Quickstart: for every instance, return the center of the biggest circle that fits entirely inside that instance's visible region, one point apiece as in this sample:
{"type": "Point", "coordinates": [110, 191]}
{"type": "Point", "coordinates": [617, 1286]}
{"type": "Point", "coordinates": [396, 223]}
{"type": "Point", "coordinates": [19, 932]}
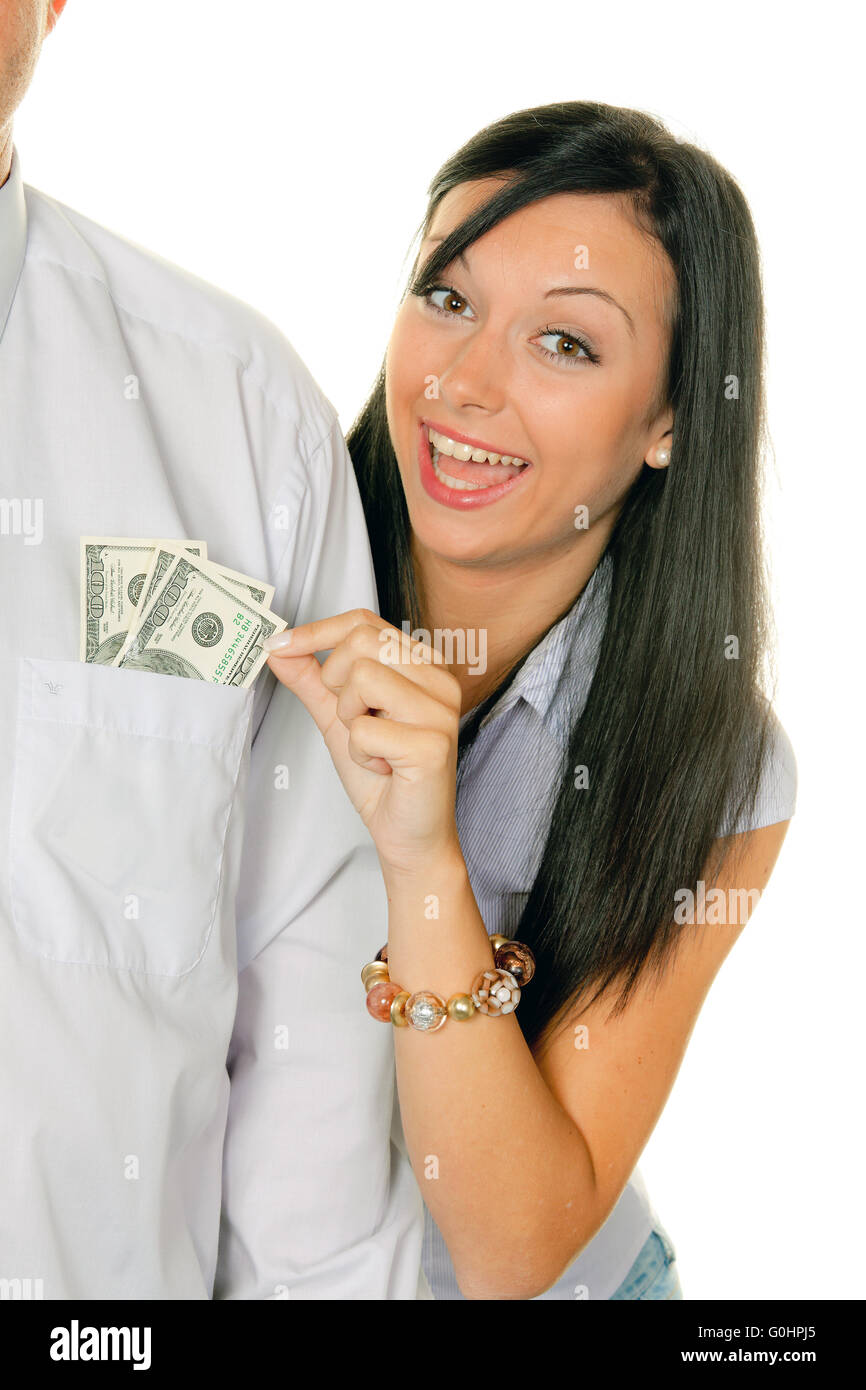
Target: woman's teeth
{"type": "Point", "coordinates": [440, 445]}
{"type": "Point", "coordinates": [452, 482]}
{"type": "Point", "coordinates": [465, 452]}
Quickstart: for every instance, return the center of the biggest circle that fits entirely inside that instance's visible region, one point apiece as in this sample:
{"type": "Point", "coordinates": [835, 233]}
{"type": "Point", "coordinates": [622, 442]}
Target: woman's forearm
{"type": "Point", "coordinates": [505, 1171]}
{"type": "Point", "coordinates": [504, 1167]}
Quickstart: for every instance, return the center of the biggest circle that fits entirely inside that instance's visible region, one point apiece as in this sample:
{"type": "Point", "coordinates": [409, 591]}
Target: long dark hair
{"type": "Point", "coordinates": [675, 727]}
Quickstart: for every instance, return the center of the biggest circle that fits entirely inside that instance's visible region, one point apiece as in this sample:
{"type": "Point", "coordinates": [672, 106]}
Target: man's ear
{"type": "Point", "coordinates": [55, 10]}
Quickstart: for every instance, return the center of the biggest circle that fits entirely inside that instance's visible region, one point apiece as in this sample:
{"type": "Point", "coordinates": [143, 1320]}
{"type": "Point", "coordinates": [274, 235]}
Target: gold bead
{"type": "Point", "coordinates": [398, 1004]}
{"type": "Point", "coordinates": [497, 941]}
{"type": "Point", "coordinates": [460, 1007]}
{"type": "Point", "coordinates": [375, 972]}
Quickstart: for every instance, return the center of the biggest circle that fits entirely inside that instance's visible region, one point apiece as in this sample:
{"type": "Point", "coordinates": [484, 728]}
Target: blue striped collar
{"type": "Point", "coordinates": [565, 657]}
{"type": "Point", "coordinates": [13, 238]}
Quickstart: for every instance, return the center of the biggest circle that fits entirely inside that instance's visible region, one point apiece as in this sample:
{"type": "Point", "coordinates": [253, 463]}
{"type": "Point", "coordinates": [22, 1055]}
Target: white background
{"type": "Point", "coordinates": [283, 151]}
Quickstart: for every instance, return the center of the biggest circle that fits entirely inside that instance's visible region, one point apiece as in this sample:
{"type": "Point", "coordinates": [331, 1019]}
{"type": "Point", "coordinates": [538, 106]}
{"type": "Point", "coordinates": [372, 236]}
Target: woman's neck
{"type": "Point", "coordinates": [496, 614]}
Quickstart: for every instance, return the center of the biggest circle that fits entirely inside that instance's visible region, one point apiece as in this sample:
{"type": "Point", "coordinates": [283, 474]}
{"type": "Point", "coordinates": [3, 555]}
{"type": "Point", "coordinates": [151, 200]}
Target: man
{"type": "Point", "coordinates": [194, 1102]}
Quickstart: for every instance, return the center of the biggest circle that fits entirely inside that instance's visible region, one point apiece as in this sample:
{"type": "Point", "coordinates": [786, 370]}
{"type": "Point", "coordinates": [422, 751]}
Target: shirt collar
{"type": "Point", "coordinates": [567, 653]}
{"type": "Point", "coordinates": [13, 237]}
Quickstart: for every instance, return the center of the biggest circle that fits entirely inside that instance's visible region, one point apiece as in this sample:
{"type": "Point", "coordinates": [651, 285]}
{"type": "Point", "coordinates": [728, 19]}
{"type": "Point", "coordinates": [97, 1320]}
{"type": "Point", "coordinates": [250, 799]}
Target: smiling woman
{"type": "Point", "coordinates": [483, 340]}
{"type": "Point", "coordinates": [582, 339]}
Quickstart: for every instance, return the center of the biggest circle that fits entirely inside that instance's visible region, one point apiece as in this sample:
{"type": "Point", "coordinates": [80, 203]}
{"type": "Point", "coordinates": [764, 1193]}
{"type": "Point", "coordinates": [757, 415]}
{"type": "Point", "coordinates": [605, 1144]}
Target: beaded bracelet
{"type": "Point", "coordinates": [494, 993]}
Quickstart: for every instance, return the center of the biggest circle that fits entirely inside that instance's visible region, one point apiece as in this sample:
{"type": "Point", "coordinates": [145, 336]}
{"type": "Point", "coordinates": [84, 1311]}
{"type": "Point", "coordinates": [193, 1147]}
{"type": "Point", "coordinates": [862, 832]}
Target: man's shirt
{"type": "Point", "coordinates": [194, 1100]}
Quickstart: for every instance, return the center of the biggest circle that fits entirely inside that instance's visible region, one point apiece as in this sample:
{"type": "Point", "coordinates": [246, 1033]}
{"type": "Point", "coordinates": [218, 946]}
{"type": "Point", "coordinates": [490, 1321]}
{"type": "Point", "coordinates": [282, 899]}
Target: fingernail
{"type": "Point", "coordinates": [277, 643]}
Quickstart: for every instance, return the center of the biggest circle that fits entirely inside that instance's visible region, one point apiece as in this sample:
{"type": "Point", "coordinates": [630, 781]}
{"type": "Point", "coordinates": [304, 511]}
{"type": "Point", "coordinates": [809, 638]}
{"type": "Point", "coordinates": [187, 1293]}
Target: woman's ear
{"type": "Point", "coordinates": [658, 454]}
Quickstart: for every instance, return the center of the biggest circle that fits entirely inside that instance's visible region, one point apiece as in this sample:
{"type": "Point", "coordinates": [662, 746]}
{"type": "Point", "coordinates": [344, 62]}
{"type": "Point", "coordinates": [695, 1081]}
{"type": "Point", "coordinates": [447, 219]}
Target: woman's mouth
{"type": "Point", "coordinates": [465, 474]}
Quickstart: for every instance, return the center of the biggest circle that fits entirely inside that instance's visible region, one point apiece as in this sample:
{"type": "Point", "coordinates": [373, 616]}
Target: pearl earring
{"type": "Point", "coordinates": [663, 458]}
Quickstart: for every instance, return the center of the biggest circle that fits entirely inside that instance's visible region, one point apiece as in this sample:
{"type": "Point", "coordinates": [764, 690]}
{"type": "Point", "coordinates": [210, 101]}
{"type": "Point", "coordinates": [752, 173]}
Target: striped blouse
{"type": "Point", "coordinates": [502, 821]}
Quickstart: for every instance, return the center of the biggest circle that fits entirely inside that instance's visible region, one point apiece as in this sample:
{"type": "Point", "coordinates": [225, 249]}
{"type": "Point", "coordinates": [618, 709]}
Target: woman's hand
{"type": "Point", "coordinates": [389, 712]}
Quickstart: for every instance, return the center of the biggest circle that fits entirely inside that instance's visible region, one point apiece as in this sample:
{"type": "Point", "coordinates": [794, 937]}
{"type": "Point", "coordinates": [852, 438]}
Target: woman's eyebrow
{"type": "Point", "coordinates": [459, 257]}
{"type": "Point", "coordinates": [563, 289]}
{"type": "Point", "coordinates": [603, 294]}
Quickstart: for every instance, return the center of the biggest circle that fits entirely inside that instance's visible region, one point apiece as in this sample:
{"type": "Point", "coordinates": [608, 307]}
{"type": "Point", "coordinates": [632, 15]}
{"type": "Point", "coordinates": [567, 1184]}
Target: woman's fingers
{"type": "Point", "coordinates": [303, 676]}
{"type": "Point", "coordinates": [413, 754]}
{"type": "Point", "coordinates": [389, 711]}
{"type": "Point", "coordinates": [326, 633]}
{"type": "Point", "coordinates": [421, 665]}
{"type": "Point", "coordinates": [361, 632]}
{"type": "Point", "coordinates": [370, 685]}
{"type": "Point", "coordinates": [374, 676]}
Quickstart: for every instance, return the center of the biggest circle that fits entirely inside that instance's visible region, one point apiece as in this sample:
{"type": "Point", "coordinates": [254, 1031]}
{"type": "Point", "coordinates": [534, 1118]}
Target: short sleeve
{"type": "Point", "coordinates": [777, 791]}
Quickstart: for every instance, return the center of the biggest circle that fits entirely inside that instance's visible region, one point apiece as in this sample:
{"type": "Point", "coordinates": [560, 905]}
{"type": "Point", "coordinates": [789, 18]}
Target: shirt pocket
{"type": "Point", "coordinates": [123, 786]}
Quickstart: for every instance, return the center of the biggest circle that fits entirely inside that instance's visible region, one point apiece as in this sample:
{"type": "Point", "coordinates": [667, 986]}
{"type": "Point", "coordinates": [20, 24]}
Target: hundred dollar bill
{"type": "Point", "coordinates": [165, 551]}
{"type": "Point", "coordinates": [200, 626]}
{"type": "Point", "coordinates": [163, 556]}
{"type": "Point", "coordinates": [260, 592]}
{"type": "Point", "coordinates": [114, 571]}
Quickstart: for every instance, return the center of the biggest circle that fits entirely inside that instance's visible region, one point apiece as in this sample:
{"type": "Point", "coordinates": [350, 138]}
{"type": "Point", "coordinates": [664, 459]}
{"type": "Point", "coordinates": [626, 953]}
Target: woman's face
{"type": "Point", "coordinates": [499, 358]}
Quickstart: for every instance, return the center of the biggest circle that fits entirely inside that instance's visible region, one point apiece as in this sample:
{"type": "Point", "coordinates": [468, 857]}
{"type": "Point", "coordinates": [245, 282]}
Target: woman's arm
{"type": "Point", "coordinates": [532, 1155]}
{"type": "Point", "coordinates": [519, 1159]}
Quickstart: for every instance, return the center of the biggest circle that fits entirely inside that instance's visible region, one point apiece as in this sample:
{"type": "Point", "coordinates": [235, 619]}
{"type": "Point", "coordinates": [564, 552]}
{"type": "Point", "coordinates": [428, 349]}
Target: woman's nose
{"type": "Point", "coordinates": [476, 375]}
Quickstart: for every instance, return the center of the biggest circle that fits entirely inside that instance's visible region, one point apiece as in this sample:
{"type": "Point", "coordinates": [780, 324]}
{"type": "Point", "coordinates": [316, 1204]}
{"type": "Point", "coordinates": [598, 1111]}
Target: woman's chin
{"type": "Point", "coordinates": [441, 542]}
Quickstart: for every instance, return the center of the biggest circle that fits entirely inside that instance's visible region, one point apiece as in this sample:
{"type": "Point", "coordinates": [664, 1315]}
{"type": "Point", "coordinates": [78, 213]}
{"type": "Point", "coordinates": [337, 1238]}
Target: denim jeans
{"type": "Point", "coordinates": [654, 1273]}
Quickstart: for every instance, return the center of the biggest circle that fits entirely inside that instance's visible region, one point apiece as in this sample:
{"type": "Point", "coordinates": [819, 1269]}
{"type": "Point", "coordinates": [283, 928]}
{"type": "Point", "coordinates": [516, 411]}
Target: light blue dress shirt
{"type": "Point", "coordinates": [502, 819]}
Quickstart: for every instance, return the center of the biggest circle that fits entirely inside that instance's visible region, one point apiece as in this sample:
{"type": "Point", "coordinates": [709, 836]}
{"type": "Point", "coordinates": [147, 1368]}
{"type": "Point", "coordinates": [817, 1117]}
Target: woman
{"type": "Point", "coordinates": [559, 461]}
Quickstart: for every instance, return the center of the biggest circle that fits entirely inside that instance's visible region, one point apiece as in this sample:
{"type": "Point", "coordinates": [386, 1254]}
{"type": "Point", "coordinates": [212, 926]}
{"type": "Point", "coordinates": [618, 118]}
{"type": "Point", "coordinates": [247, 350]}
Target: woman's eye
{"type": "Point", "coordinates": [447, 301]}
{"type": "Point", "coordinates": [566, 347]}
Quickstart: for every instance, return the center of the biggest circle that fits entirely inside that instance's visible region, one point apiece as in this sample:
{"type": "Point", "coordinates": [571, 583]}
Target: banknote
{"type": "Point", "coordinates": [260, 592]}
{"type": "Point", "coordinates": [114, 571]}
{"type": "Point", "coordinates": [199, 624]}
{"type": "Point", "coordinates": [164, 555]}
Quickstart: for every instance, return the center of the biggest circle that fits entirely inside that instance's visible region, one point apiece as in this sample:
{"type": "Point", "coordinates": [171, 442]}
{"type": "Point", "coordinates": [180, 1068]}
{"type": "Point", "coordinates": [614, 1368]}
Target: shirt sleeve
{"type": "Point", "coordinates": [318, 1202]}
{"type": "Point", "coordinates": [777, 790]}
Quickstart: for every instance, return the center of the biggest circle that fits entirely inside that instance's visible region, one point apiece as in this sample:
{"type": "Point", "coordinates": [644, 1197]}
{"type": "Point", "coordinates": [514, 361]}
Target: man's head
{"type": "Point", "coordinates": [23, 26]}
